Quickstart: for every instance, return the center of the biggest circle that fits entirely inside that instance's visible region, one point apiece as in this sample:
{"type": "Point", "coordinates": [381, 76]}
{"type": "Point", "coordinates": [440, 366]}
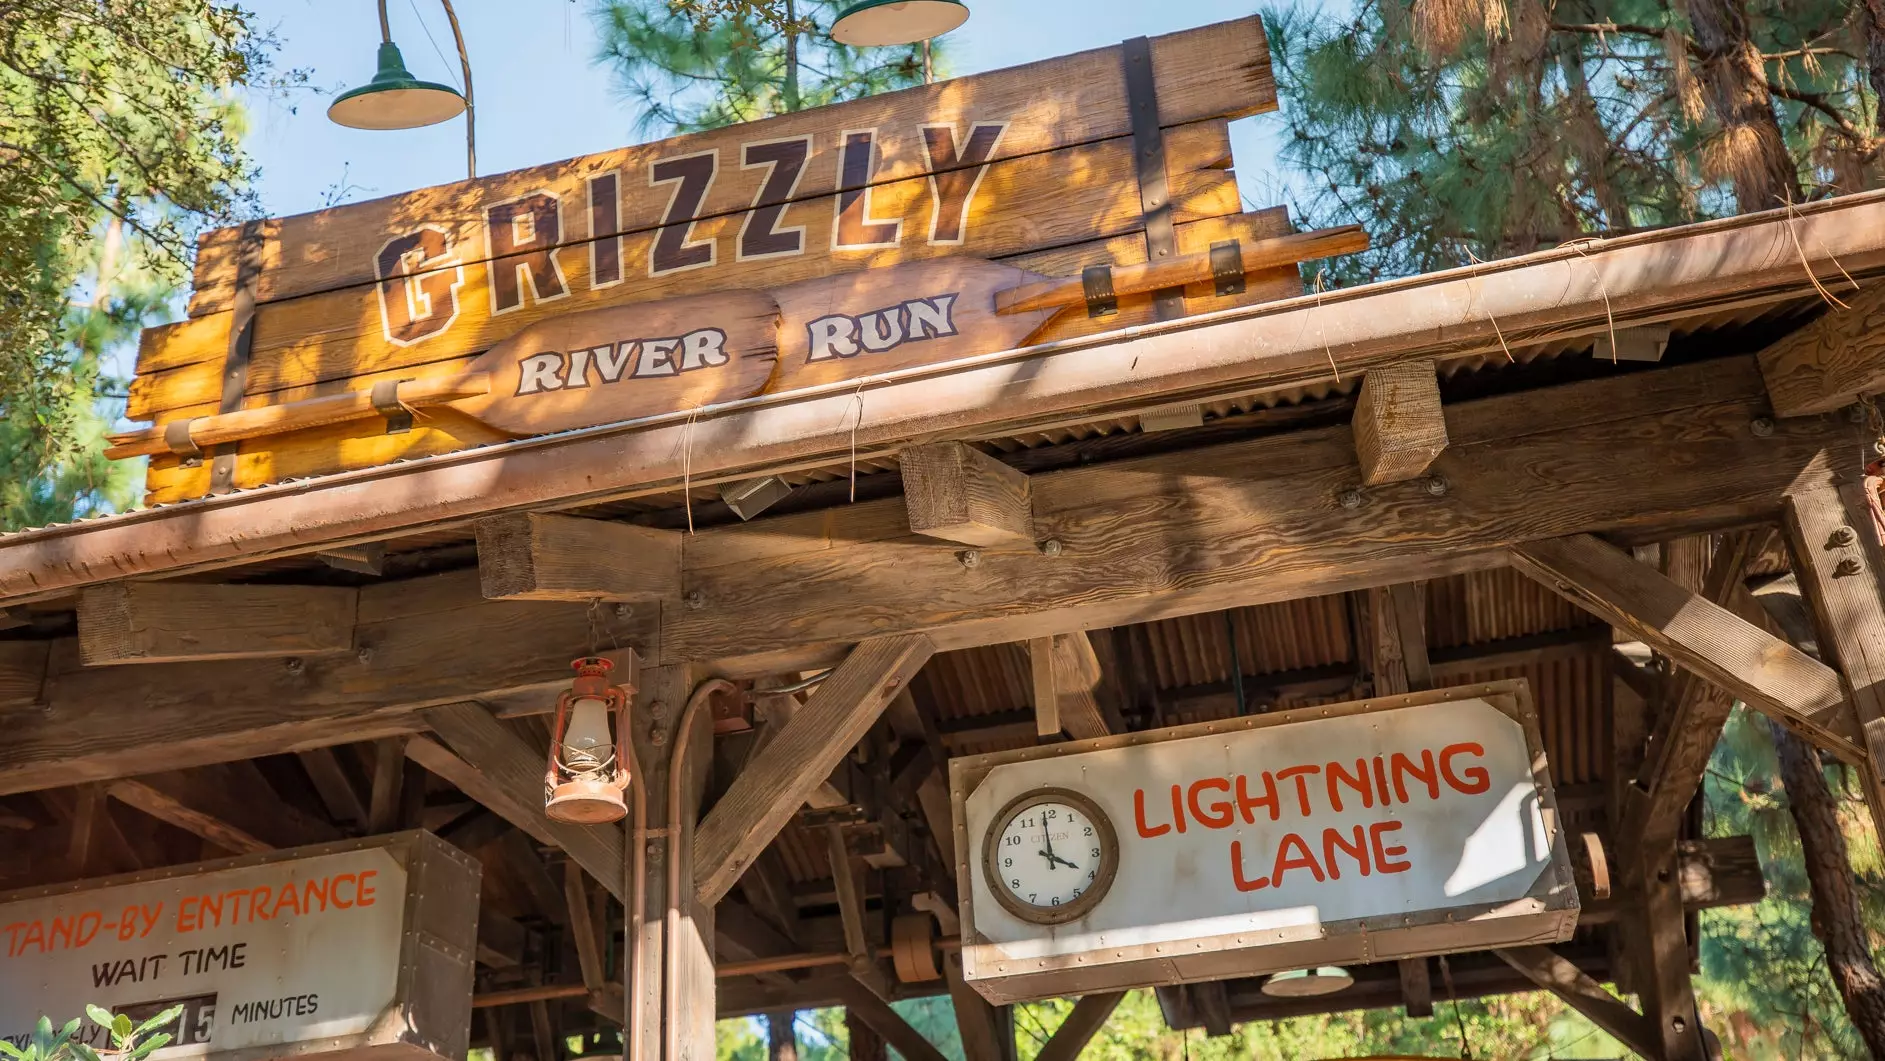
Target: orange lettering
{"type": "Point", "coordinates": [1301, 776]}
{"type": "Point", "coordinates": [1285, 862]}
{"type": "Point", "coordinates": [316, 894]}
{"type": "Point", "coordinates": [1477, 779]}
{"type": "Point", "coordinates": [1381, 780]}
{"type": "Point", "coordinates": [366, 890]}
{"type": "Point", "coordinates": [1402, 766]}
{"type": "Point", "coordinates": [1146, 832]}
{"type": "Point", "coordinates": [1237, 870]}
{"type": "Point", "coordinates": [1384, 855]}
{"type": "Point", "coordinates": [1245, 801]}
{"type": "Point", "coordinates": [1333, 840]}
{"type": "Point", "coordinates": [1357, 781]}
{"type": "Point", "coordinates": [334, 890]}
{"type": "Point", "coordinates": [258, 903]}
{"type": "Point", "coordinates": [1218, 815]}
{"type": "Point", "coordinates": [1178, 807]}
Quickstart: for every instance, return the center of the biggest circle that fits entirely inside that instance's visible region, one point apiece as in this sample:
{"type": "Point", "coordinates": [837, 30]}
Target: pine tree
{"type": "Point", "coordinates": [686, 68]}
{"type": "Point", "coordinates": [1462, 129]}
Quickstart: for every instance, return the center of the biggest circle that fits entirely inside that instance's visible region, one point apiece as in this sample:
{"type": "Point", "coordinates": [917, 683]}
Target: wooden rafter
{"type": "Point", "coordinates": [230, 805]}
{"type": "Point", "coordinates": [1830, 362]}
{"type": "Point", "coordinates": [1071, 1038]}
{"type": "Point", "coordinates": [772, 787]}
{"type": "Point", "coordinates": [173, 622]}
{"type": "Point", "coordinates": [1750, 663]}
{"type": "Point", "coordinates": [1546, 968]}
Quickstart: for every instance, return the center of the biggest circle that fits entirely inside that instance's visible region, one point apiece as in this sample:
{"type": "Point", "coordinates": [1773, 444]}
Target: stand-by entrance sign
{"type": "Point", "coordinates": [362, 948]}
{"type": "Point", "coordinates": [1387, 828]}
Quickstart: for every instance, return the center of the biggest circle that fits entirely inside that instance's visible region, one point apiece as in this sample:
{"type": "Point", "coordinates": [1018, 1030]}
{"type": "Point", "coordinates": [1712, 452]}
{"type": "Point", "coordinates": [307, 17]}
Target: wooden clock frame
{"type": "Point", "coordinates": [1102, 879]}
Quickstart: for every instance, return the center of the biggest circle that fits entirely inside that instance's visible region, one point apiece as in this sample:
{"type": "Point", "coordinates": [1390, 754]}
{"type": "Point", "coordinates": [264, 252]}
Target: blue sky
{"type": "Point", "coordinates": [526, 51]}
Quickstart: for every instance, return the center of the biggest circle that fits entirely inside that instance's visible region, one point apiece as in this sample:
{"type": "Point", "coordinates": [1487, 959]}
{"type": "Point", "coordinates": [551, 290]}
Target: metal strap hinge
{"type": "Point", "coordinates": [385, 399]}
{"type": "Point", "coordinates": [1097, 282]}
{"type": "Point", "coordinates": [1227, 267]}
{"type": "Point", "coordinates": [177, 439]}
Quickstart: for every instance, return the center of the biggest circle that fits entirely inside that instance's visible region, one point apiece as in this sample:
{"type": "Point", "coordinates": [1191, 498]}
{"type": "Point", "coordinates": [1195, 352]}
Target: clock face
{"type": "Point", "coordinates": [1050, 856]}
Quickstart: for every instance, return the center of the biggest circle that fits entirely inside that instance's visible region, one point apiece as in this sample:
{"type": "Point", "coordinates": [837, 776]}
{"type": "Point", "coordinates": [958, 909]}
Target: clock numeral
{"type": "Point", "coordinates": [1030, 897]}
{"type": "Point", "coordinates": [1014, 883]}
{"type": "Point", "coordinates": [1006, 862]}
{"type": "Point", "coordinates": [1089, 830]}
{"type": "Point", "coordinates": [1090, 873]}
{"type": "Point", "coordinates": [1056, 900]}
{"type": "Point", "coordinates": [1012, 841]}
{"type": "Point", "coordinates": [1096, 852]}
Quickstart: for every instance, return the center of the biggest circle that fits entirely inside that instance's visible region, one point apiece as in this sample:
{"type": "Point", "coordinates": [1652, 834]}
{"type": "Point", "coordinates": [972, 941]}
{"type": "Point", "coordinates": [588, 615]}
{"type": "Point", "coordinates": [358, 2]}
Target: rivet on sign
{"type": "Point", "coordinates": [970, 558]}
{"type": "Point", "coordinates": [696, 600]}
{"type": "Point", "coordinates": [1840, 538]}
{"type": "Point", "coordinates": [1761, 427]}
{"type": "Point", "coordinates": [1349, 498]}
{"type": "Point", "coordinates": [1050, 547]}
{"type": "Point", "coordinates": [1437, 485]}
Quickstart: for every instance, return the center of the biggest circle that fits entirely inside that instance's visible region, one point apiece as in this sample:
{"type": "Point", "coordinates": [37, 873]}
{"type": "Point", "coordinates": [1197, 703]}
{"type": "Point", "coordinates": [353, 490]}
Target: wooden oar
{"type": "Point", "coordinates": [1256, 256]}
{"type": "Point", "coordinates": [609, 365]}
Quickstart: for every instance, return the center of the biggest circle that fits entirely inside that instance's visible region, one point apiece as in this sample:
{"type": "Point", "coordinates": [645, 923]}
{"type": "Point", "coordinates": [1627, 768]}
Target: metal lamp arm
{"type": "Point", "coordinates": [464, 63]}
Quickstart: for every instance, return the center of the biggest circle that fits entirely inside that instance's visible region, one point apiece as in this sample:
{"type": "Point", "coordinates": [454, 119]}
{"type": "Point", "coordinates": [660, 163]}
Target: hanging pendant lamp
{"type": "Point", "coordinates": [877, 23]}
{"type": "Point", "coordinates": [395, 99]}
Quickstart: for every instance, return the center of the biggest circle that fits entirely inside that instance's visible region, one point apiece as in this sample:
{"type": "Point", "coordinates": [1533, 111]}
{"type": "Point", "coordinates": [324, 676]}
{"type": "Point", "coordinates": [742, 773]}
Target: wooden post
{"type": "Point", "coordinates": [1398, 622]}
{"type": "Point", "coordinates": [1046, 694]}
{"type": "Point", "coordinates": [781, 1037]}
{"type": "Point", "coordinates": [987, 1031]}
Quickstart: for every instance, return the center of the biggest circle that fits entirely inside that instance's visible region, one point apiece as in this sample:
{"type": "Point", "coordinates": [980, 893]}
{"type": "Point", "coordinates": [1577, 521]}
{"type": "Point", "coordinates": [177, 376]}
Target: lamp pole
{"type": "Point", "coordinates": [471, 109]}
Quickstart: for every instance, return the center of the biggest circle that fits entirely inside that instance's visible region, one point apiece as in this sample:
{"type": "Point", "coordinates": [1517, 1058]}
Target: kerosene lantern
{"type": "Point", "coordinates": [588, 771]}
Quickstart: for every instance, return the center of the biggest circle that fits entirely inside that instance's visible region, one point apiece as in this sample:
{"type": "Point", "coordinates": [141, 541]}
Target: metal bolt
{"type": "Point", "coordinates": [1349, 498]}
{"type": "Point", "coordinates": [657, 736]}
{"type": "Point", "coordinates": [1050, 547]}
{"type": "Point", "coordinates": [1855, 413]}
{"type": "Point", "coordinates": [696, 600]}
{"type": "Point", "coordinates": [658, 710]}
{"type": "Point", "coordinates": [1840, 538]}
{"type": "Point", "coordinates": [1761, 427]}
{"type": "Point", "coordinates": [622, 611]}
{"type": "Point", "coordinates": [1437, 485]}
{"type": "Point", "coordinates": [365, 655]}
{"type": "Point", "coordinates": [294, 664]}
{"type": "Point", "coordinates": [970, 558]}
{"type": "Point", "coordinates": [654, 852]}
{"type": "Point", "coordinates": [1846, 568]}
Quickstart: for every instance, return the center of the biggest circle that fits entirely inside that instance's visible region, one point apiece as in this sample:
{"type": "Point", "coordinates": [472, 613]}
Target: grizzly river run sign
{"type": "Point", "coordinates": [912, 228]}
{"type": "Point", "coordinates": [1351, 833]}
{"type": "Point", "coordinates": [363, 948]}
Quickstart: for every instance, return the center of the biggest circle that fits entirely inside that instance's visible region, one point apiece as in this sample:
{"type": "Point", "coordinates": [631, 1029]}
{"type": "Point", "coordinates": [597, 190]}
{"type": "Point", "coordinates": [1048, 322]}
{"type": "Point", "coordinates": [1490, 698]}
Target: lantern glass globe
{"type": "Point", "coordinates": [879, 23]}
{"type": "Point", "coordinates": [588, 728]}
{"type": "Point", "coordinates": [395, 99]}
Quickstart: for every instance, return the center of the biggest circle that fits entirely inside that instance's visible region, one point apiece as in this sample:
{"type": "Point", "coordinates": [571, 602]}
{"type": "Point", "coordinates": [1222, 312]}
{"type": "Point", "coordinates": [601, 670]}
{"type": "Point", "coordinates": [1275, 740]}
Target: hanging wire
{"type": "Point", "coordinates": [1236, 665]}
{"type": "Point", "coordinates": [1446, 976]}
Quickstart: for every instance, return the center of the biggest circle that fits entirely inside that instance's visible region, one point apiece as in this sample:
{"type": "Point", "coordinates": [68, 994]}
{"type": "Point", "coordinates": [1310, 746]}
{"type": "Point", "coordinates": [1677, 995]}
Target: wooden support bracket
{"type": "Point", "coordinates": [1399, 425]}
{"type": "Point", "coordinates": [536, 556]}
{"type": "Point", "coordinates": [1832, 361]}
{"type": "Point", "coordinates": [1088, 1015]}
{"type": "Point", "coordinates": [1554, 973]}
{"type": "Point", "coordinates": [958, 493]}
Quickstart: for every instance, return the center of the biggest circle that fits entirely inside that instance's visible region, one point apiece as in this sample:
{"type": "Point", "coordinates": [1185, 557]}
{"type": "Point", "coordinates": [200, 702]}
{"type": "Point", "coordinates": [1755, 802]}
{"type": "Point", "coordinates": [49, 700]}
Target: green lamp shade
{"type": "Point", "coordinates": [873, 23]}
{"type": "Point", "coordinates": [394, 99]}
{"type": "Point", "coordinates": [1308, 983]}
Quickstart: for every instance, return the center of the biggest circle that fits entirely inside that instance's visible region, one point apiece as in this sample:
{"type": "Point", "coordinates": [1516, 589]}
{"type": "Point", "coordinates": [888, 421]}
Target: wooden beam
{"type": "Point", "coordinates": [387, 794]}
{"type": "Point", "coordinates": [537, 556]}
{"type": "Point", "coordinates": [1416, 987]}
{"type": "Point", "coordinates": [522, 860]}
{"type": "Point", "coordinates": [769, 791]}
{"type": "Point", "coordinates": [495, 767]}
{"type": "Point", "coordinates": [1212, 1001]}
{"type": "Point", "coordinates": [1399, 425]}
{"type": "Point", "coordinates": [857, 947]}
{"type": "Point", "coordinates": [987, 1031]}
{"type": "Point", "coordinates": [958, 493]}
{"type": "Point", "coordinates": [1833, 534]}
{"type": "Point", "coordinates": [1076, 685]}
{"type": "Point", "coordinates": [175, 622]}
{"type": "Point", "coordinates": [1677, 755]}
{"type": "Point", "coordinates": [582, 929]}
{"type": "Point", "coordinates": [1832, 361]}
{"type": "Point", "coordinates": [1718, 645]}
{"type": "Point", "coordinates": [1045, 695]}
{"type": "Point", "coordinates": [1397, 617]}
{"type": "Point", "coordinates": [1550, 971]}
{"type": "Point", "coordinates": [335, 785]}
{"type": "Point", "coordinates": [880, 1018]}
{"type": "Point", "coordinates": [220, 804]}
{"type": "Point", "coordinates": [500, 940]}
{"type": "Point", "coordinates": [1088, 1016]}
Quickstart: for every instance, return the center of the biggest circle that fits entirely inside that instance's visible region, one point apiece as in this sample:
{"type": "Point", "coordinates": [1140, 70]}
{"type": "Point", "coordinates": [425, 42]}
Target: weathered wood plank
{"type": "Point", "coordinates": [1045, 690]}
{"type": "Point", "coordinates": [173, 622]}
{"type": "Point", "coordinates": [1544, 967]}
{"type": "Point", "coordinates": [221, 805]}
{"type": "Point", "coordinates": [1399, 425]}
{"type": "Point", "coordinates": [770, 790]}
{"type": "Point", "coordinates": [960, 494]}
{"type": "Point", "coordinates": [1031, 202]}
{"type": "Point", "coordinates": [1834, 539]}
{"type": "Point", "coordinates": [880, 1018]}
{"type": "Point", "coordinates": [507, 776]}
{"type": "Point", "coordinates": [1718, 645]}
{"type": "Point", "coordinates": [538, 556]}
{"type": "Point", "coordinates": [1088, 1016]}
{"type": "Point", "coordinates": [1832, 361]}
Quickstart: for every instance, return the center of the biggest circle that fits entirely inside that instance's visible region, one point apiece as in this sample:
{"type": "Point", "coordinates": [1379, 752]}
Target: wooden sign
{"type": "Point", "coordinates": [1032, 169]}
{"type": "Point", "coordinates": [1353, 833]}
{"type": "Point", "coordinates": [362, 949]}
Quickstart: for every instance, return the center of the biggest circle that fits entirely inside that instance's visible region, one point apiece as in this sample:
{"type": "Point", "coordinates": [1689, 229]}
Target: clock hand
{"type": "Point", "coordinates": [1062, 861]}
{"type": "Point", "coordinates": [1049, 856]}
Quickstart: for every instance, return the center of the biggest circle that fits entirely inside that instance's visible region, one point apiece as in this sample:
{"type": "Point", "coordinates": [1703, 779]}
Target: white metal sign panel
{"type": "Point", "coordinates": [1354, 820]}
{"type": "Point", "coordinates": [260, 955]}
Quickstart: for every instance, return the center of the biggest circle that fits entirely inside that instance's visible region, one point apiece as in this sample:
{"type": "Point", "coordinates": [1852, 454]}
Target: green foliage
{"type": "Point", "coordinates": [130, 1041]}
{"type": "Point", "coordinates": [1462, 129]}
{"type": "Point", "coordinates": [114, 114]}
{"type": "Point", "coordinates": [702, 66]}
{"type": "Point", "coordinates": [1765, 987]}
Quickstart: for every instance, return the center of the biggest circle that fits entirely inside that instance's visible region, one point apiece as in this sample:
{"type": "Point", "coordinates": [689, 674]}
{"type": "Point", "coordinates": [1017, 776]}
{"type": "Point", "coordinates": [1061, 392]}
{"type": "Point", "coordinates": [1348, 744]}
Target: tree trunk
{"type": "Point", "coordinates": [789, 94]}
{"type": "Point", "coordinates": [1873, 18]}
{"type": "Point", "coordinates": [1753, 151]}
{"type": "Point", "coordinates": [1836, 920]}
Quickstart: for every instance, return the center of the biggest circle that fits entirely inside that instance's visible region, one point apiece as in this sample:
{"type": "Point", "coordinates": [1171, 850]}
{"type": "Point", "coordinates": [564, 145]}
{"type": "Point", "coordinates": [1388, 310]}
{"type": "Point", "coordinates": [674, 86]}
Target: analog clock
{"type": "Point", "coordinates": [1050, 855]}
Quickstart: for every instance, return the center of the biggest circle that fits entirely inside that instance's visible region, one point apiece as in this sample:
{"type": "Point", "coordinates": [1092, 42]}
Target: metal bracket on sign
{"type": "Point", "coordinates": [177, 438]}
{"type": "Point", "coordinates": [1097, 281]}
{"type": "Point", "coordinates": [1148, 156]}
{"type": "Point", "coordinates": [385, 399]}
{"type": "Point", "coordinates": [1227, 267]}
